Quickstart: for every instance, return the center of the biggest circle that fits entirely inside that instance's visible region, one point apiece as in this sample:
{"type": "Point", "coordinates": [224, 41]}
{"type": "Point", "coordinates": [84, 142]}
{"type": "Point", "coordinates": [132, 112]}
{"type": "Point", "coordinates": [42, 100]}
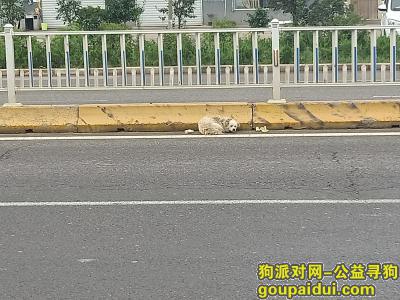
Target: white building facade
{"type": "Point", "coordinates": [45, 11]}
{"type": "Point", "coordinates": [151, 16]}
{"type": "Point", "coordinates": [49, 11]}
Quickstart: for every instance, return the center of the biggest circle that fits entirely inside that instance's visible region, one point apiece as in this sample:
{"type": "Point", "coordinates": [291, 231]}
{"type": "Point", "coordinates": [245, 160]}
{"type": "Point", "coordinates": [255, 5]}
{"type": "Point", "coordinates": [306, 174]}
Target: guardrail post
{"type": "Point", "coordinates": [374, 55]}
{"type": "Point", "coordinates": [179, 58]}
{"type": "Point", "coordinates": [255, 57]}
{"type": "Point", "coordinates": [49, 62]}
{"type": "Point", "coordinates": [297, 57]}
{"type": "Point", "coordinates": [160, 41]}
{"type": "Point", "coordinates": [316, 56]}
{"type": "Point", "coordinates": [335, 56]}
{"type": "Point", "coordinates": [67, 57]}
{"type": "Point", "coordinates": [30, 61]}
{"type": "Point", "coordinates": [86, 59]}
{"type": "Point", "coordinates": [122, 41]}
{"type": "Point", "coordinates": [217, 59]}
{"type": "Point", "coordinates": [354, 55]}
{"type": "Point", "coordinates": [276, 65]}
{"type": "Point", "coordinates": [236, 57]}
{"type": "Point", "coordinates": [142, 60]}
{"type": "Point", "coordinates": [8, 30]}
{"type": "Point", "coordinates": [104, 51]}
{"type": "Point", "coordinates": [393, 53]}
{"type": "Point", "coordinates": [198, 58]}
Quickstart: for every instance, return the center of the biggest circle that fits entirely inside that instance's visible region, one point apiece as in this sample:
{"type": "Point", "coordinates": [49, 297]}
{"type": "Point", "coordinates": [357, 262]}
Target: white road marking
{"type": "Point", "coordinates": [388, 97]}
{"type": "Point", "coordinates": [197, 202]}
{"type": "Point", "coordinates": [57, 102]}
{"type": "Point", "coordinates": [201, 87]}
{"type": "Point", "coordinates": [86, 260]}
{"type": "Point", "coordinates": [166, 137]}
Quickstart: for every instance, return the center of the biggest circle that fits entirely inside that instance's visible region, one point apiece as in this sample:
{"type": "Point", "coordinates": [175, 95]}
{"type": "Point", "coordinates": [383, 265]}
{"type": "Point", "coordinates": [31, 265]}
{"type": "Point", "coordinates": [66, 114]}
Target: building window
{"type": "Point", "coordinates": [250, 4]}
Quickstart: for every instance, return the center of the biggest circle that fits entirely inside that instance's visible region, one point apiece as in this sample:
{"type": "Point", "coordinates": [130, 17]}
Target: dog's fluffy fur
{"type": "Point", "coordinates": [217, 125]}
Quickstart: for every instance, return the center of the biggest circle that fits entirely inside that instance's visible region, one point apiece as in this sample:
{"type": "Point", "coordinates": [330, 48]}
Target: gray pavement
{"type": "Point", "coordinates": [204, 95]}
{"type": "Point", "coordinates": [191, 251]}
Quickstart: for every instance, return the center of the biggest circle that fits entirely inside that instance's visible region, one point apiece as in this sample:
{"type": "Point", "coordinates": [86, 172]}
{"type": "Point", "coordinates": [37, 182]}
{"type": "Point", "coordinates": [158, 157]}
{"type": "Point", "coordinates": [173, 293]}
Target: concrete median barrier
{"type": "Point", "coordinates": [182, 116]}
{"type": "Point", "coordinates": [157, 117]}
{"type": "Point", "coordinates": [328, 115]}
{"type": "Point", "coordinates": [38, 118]}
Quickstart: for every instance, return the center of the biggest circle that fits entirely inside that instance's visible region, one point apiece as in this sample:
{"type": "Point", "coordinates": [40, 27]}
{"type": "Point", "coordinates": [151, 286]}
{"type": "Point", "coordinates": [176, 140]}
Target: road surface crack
{"type": "Point", "coordinates": [6, 155]}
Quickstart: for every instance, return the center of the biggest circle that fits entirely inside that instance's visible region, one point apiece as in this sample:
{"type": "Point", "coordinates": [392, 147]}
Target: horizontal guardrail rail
{"type": "Point", "coordinates": [270, 57]}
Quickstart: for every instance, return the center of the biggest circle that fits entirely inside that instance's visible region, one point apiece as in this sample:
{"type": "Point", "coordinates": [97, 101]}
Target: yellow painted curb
{"type": "Point", "coordinates": [182, 116]}
{"type": "Point", "coordinates": [157, 117]}
{"type": "Point", "coordinates": [328, 115]}
{"type": "Point", "coordinates": [38, 118]}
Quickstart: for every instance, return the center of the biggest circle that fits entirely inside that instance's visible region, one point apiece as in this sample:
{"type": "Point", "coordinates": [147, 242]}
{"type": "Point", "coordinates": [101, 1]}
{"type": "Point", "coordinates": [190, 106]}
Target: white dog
{"type": "Point", "coordinates": [217, 125]}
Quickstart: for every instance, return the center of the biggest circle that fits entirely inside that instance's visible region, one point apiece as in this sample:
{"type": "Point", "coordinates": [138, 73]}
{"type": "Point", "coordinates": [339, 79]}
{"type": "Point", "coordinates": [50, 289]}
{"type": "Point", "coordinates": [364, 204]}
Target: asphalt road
{"type": "Point", "coordinates": [252, 94]}
{"type": "Point", "coordinates": [191, 251]}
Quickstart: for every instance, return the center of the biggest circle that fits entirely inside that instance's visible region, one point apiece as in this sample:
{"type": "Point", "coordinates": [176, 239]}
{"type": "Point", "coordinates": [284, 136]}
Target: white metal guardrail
{"type": "Point", "coordinates": [133, 69]}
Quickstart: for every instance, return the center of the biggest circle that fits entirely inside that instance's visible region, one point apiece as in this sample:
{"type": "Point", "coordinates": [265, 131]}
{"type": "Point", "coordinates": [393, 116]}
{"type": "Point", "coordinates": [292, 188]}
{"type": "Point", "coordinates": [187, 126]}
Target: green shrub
{"type": "Point", "coordinates": [383, 46]}
{"type": "Point", "coordinates": [246, 50]}
{"type": "Point", "coordinates": [122, 11]}
{"type": "Point", "coordinates": [68, 10]}
{"type": "Point", "coordinates": [189, 50]}
{"type": "Point", "coordinates": [207, 49]}
{"type": "Point", "coordinates": [2, 53]}
{"type": "Point", "coordinates": [226, 46]}
{"type": "Point", "coordinates": [259, 19]}
{"type": "Point", "coordinates": [306, 47]}
{"type": "Point", "coordinates": [286, 45]}
{"type": "Point", "coordinates": [223, 23]}
{"type": "Point", "coordinates": [265, 50]}
{"type": "Point", "coordinates": [90, 18]}
{"type": "Point", "coordinates": [170, 50]}
{"type": "Point", "coordinates": [325, 42]}
{"type": "Point", "coordinates": [39, 53]}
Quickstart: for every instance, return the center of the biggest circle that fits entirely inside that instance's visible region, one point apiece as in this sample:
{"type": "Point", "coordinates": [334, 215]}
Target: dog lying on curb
{"type": "Point", "coordinates": [217, 125]}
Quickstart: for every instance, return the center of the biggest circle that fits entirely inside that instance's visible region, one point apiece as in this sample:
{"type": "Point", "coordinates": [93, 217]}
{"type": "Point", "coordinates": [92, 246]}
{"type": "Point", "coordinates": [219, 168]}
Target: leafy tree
{"type": "Point", "coordinates": [68, 10]}
{"type": "Point", "coordinates": [181, 9]}
{"type": "Point", "coordinates": [123, 11]}
{"type": "Point", "coordinates": [90, 18]}
{"type": "Point", "coordinates": [259, 18]}
{"type": "Point", "coordinates": [297, 8]}
{"type": "Point", "coordinates": [318, 13]}
{"type": "Point", "coordinates": [331, 12]}
{"type": "Point", "coordinates": [12, 11]}
{"type": "Point", "coordinates": [348, 19]}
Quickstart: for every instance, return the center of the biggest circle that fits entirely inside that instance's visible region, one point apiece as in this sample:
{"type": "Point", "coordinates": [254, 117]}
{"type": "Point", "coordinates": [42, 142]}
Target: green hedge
{"type": "Point", "coordinates": [189, 53]}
